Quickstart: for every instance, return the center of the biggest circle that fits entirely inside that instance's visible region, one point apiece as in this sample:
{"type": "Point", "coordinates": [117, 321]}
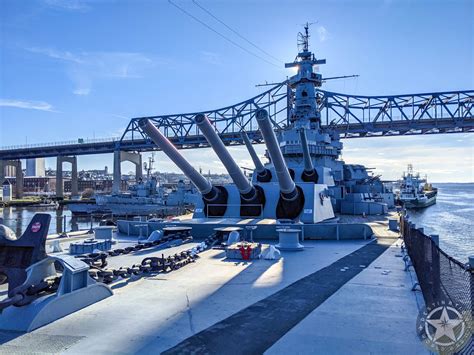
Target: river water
{"type": "Point", "coordinates": [62, 220]}
{"type": "Point", "coordinates": [452, 218]}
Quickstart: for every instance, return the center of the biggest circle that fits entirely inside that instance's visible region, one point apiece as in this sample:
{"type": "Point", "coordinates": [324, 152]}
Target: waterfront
{"type": "Point", "coordinates": [450, 217]}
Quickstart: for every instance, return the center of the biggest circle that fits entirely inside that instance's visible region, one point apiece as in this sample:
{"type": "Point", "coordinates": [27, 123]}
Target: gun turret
{"type": "Point", "coordinates": [251, 196]}
{"type": "Point", "coordinates": [263, 174]}
{"type": "Point", "coordinates": [309, 173]}
{"type": "Point", "coordinates": [214, 197]}
{"type": "Point", "coordinates": [291, 201]}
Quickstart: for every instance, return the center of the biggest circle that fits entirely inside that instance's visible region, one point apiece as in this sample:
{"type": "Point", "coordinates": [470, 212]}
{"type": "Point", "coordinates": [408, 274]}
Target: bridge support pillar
{"type": "Point", "coordinates": [121, 156]}
{"type": "Point", "coordinates": [18, 175]}
{"type": "Point", "coordinates": [19, 180]}
{"type": "Point", "coordinates": [2, 172]}
{"type": "Point", "coordinates": [117, 173]}
{"type": "Point", "coordinates": [59, 176]}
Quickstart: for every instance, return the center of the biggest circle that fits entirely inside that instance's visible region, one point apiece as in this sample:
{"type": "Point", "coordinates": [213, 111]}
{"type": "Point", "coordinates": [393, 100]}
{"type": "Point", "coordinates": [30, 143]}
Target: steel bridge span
{"type": "Point", "coordinates": [351, 116]}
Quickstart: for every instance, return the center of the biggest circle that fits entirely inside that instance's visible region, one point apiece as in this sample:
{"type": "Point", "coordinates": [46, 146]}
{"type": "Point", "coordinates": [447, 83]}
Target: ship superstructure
{"type": "Point", "coordinates": [304, 181]}
{"type": "Point", "coordinates": [312, 153]}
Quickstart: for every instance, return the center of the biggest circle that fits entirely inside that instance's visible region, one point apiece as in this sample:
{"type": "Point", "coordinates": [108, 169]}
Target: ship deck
{"type": "Point", "coordinates": [348, 296]}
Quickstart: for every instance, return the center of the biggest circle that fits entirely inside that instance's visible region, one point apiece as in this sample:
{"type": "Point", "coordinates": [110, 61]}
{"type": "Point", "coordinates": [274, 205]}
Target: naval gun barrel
{"type": "Point", "coordinates": [309, 173]}
{"type": "Point", "coordinates": [287, 185]}
{"type": "Point", "coordinates": [240, 180]}
{"type": "Point", "coordinates": [291, 201]}
{"type": "Point", "coordinates": [263, 174]}
{"type": "Point", "coordinates": [208, 191]}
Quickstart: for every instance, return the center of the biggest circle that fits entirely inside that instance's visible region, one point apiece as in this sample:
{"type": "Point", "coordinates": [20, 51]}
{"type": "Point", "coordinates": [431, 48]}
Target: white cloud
{"type": "Point", "coordinates": [82, 91]}
{"type": "Point", "coordinates": [322, 33]}
{"type": "Point", "coordinates": [52, 53]}
{"type": "Point", "coordinates": [29, 105]}
{"type": "Point", "coordinates": [70, 5]}
{"type": "Point", "coordinates": [85, 67]}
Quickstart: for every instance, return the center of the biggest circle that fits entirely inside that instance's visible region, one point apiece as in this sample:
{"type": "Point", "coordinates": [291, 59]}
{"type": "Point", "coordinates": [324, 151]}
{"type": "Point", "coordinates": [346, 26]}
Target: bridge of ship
{"type": "Point", "coordinates": [351, 116]}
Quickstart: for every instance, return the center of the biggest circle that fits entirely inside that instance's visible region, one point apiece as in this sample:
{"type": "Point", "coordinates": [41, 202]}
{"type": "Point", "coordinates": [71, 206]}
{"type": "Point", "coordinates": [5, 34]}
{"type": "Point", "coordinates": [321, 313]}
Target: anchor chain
{"type": "Point", "coordinates": [99, 260]}
{"type": "Point", "coordinates": [25, 294]}
{"type": "Point", "coordinates": [152, 265]}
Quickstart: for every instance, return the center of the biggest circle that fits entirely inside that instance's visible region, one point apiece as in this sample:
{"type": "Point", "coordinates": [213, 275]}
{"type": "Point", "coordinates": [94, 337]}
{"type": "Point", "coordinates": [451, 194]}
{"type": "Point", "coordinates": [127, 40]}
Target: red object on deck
{"type": "Point", "coordinates": [245, 252]}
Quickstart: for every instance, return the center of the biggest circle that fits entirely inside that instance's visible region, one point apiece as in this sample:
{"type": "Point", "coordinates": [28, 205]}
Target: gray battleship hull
{"type": "Point", "coordinates": [124, 210]}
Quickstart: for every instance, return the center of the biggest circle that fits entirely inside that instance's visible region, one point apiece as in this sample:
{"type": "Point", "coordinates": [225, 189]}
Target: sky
{"type": "Point", "coordinates": [82, 69]}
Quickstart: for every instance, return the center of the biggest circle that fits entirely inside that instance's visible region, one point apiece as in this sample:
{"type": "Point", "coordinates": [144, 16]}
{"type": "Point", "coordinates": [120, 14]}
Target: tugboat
{"type": "Point", "coordinates": [415, 192]}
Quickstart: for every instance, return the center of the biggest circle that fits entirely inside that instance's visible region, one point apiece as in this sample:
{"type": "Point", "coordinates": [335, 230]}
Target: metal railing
{"type": "Point", "coordinates": [60, 223]}
{"type": "Point", "coordinates": [441, 277]}
{"type": "Point", "coordinates": [61, 143]}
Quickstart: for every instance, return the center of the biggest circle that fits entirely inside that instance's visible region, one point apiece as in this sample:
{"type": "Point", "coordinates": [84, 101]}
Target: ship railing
{"type": "Point", "coordinates": [442, 278]}
{"type": "Point", "coordinates": [233, 205]}
{"type": "Point", "coordinates": [61, 224]}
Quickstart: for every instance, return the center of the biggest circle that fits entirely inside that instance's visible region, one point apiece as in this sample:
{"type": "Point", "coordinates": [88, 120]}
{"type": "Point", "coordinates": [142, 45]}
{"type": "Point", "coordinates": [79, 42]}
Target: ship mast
{"type": "Point", "coordinates": [149, 166]}
{"type": "Point", "coordinates": [305, 111]}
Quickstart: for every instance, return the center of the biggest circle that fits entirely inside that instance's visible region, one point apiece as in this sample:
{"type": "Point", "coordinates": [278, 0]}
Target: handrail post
{"type": "Point", "coordinates": [436, 267]}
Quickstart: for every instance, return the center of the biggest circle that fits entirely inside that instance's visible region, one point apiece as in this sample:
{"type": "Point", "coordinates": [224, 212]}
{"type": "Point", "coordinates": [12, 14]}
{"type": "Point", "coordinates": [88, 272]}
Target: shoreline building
{"type": "Point", "coordinates": [35, 167]}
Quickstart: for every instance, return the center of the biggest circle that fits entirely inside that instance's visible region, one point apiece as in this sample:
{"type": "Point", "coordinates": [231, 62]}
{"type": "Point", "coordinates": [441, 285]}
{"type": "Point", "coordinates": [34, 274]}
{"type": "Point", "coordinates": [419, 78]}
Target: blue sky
{"type": "Point", "coordinates": [82, 68]}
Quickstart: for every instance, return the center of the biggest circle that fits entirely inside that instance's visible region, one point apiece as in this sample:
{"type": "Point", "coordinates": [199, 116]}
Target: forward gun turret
{"type": "Point", "coordinates": [252, 197]}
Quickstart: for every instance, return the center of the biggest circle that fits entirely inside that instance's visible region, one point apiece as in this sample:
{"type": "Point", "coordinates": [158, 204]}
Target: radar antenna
{"type": "Point", "coordinates": [149, 166]}
{"type": "Point", "coordinates": [303, 39]}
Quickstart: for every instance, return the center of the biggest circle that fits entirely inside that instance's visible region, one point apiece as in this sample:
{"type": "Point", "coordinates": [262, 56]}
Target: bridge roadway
{"type": "Point", "coordinates": [351, 116]}
{"type": "Point", "coordinates": [198, 141]}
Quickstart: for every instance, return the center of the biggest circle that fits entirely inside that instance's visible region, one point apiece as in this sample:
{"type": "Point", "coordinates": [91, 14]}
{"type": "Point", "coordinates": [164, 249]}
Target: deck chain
{"type": "Point", "coordinates": [27, 293]}
{"type": "Point", "coordinates": [100, 259]}
{"type": "Point", "coordinates": [152, 265]}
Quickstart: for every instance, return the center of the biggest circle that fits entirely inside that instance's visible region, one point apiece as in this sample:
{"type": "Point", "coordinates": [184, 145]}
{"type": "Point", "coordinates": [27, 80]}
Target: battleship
{"type": "Point", "coordinates": [307, 256]}
{"type": "Point", "coordinates": [145, 198]}
{"type": "Point", "coordinates": [415, 192]}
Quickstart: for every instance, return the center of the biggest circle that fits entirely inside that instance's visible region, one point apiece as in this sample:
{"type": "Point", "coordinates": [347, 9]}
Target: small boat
{"type": "Point", "coordinates": [415, 192]}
